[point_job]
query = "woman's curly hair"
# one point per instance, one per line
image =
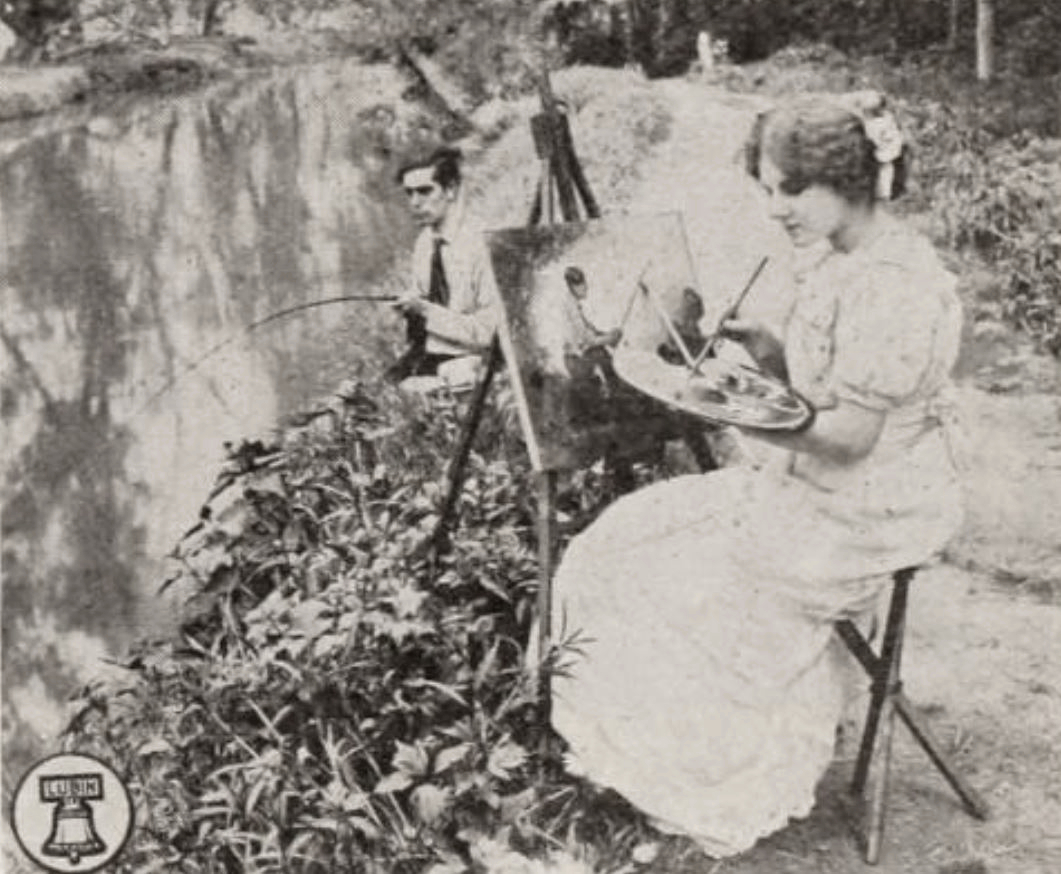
(817, 141)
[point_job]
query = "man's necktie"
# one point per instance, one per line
(438, 287)
(416, 325)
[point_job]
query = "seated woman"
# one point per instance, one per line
(709, 691)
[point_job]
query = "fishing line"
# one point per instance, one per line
(49, 402)
(253, 326)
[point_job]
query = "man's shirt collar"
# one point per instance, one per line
(450, 225)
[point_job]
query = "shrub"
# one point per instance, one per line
(1001, 202)
(341, 697)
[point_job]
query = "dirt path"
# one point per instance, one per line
(983, 653)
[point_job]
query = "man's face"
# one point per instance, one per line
(429, 202)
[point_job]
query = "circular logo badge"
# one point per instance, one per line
(71, 812)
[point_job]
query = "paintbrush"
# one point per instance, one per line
(728, 314)
(668, 324)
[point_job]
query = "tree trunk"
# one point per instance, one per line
(211, 17)
(953, 20)
(985, 35)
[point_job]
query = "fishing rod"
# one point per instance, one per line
(258, 323)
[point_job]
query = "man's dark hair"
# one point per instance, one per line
(445, 161)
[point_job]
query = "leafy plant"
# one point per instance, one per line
(1001, 202)
(342, 696)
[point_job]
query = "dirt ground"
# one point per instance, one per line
(982, 656)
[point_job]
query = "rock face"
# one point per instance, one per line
(31, 91)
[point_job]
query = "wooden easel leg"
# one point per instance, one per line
(538, 203)
(455, 474)
(578, 177)
(546, 555)
(565, 190)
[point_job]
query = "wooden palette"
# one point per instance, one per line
(721, 391)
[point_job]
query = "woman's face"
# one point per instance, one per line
(814, 214)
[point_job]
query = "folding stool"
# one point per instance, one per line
(887, 699)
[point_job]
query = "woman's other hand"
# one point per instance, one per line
(767, 351)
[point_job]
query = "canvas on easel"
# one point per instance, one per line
(574, 293)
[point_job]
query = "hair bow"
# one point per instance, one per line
(883, 132)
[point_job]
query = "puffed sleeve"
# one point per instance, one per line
(886, 336)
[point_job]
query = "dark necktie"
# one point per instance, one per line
(438, 287)
(415, 323)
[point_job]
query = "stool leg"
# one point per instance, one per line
(870, 733)
(887, 700)
(885, 674)
(972, 801)
(879, 797)
(880, 721)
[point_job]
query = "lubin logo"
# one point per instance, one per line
(71, 812)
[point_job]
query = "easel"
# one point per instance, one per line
(561, 177)
(562, 187)
(563, 193)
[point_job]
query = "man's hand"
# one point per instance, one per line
(411, 304)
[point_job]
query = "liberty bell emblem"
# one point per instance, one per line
(73, 833)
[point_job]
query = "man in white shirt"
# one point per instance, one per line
(451, 311)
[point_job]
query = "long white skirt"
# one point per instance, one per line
(706, 690)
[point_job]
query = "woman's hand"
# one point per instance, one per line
(767, 351)
(841, 435)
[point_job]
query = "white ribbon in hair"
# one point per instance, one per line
(881, 130)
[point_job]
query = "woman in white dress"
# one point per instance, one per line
(709, 690)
